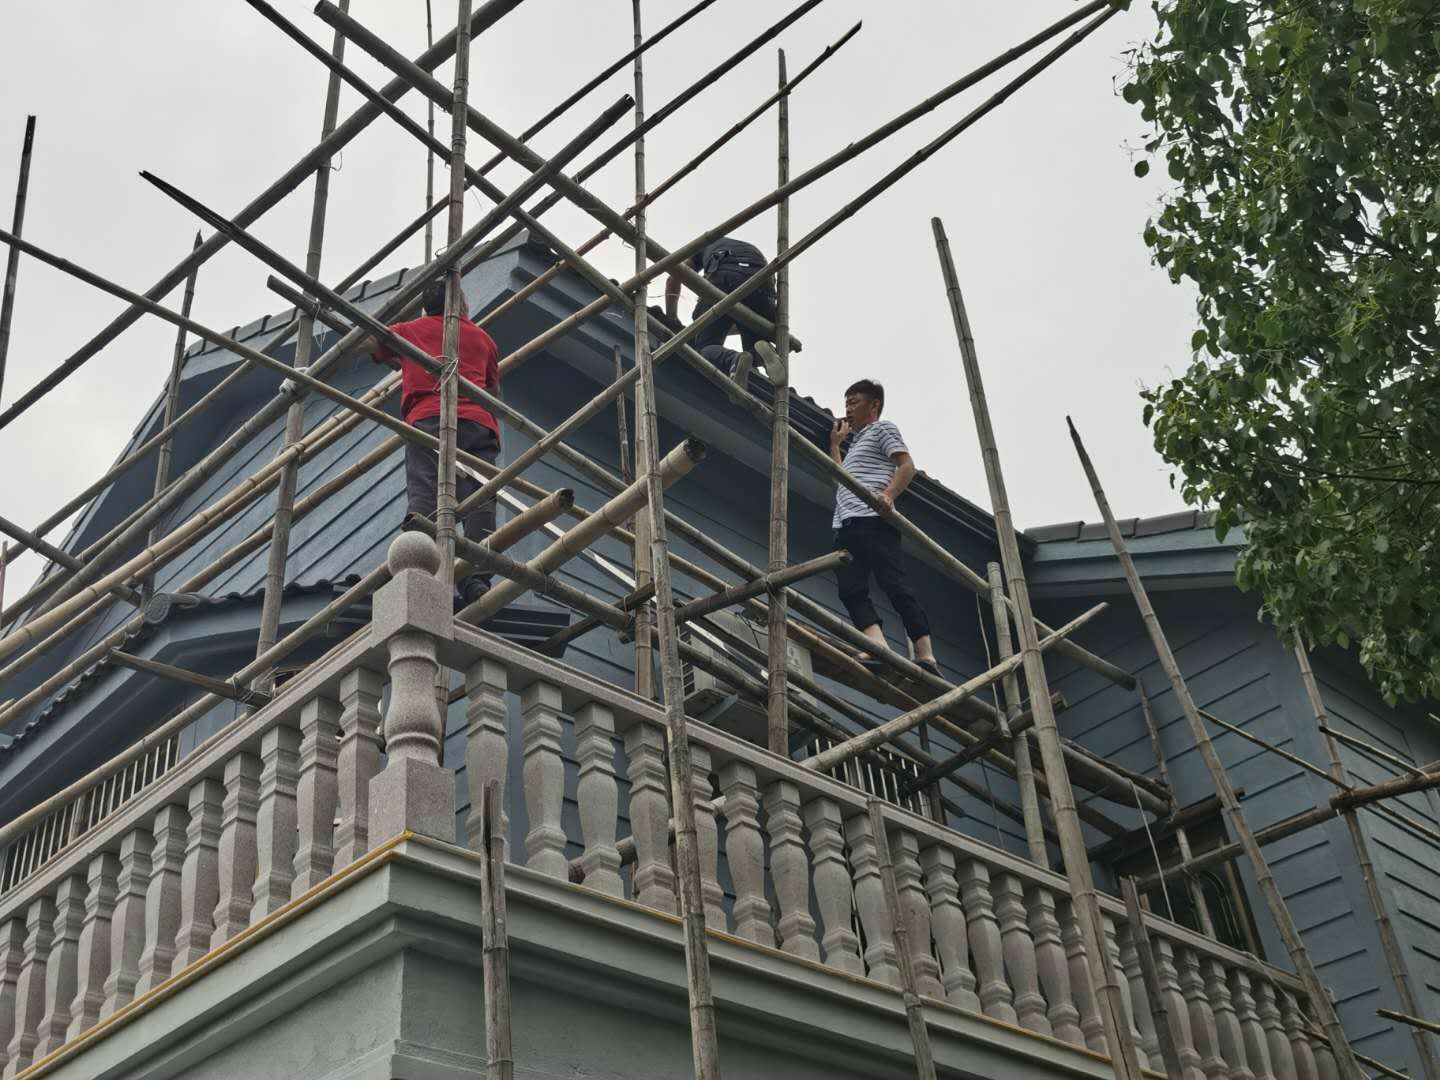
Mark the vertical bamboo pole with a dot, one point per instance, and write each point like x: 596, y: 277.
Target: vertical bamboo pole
x: 1146, y: 955
x: 1062, y: 796
x: 12, y: 263
x: 622, y: 425
x: 495, y: 938
x: 1394, y: 957
x: 1020, y: 748
x: 429, y: 157
x: 704, y: 1043
x: 1320, y: 1001
x: 172, y: 408
x: 778, y: 703
x: 904, y: 959
x: 295, y: 415
x: 644, y: 574
x: 1182, y: 839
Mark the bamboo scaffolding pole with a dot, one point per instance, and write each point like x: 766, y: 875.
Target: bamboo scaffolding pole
x: 1182, y: 838
x: 60, y: 558
x: 906, y: 721
x: 484, y: 18
x: 429, y: 158
x: 304, y: 344
x: 1062, y: 799
x: 12, y: 262
x: 1140, y: 938
x: 507, y: 535
x: 642, y: 558
x: 778, y: 642
x: 1370, y: 750
x: 1020, y: 748
x: 675, y: 259
x: 1424, y: 1025
x: 218, y: 687
x: 771, y: 581
x: 909, y: 988
x: 495, y: 938
x: 172, y: 400
x: 1389, y: 941
x: 1235, y: 817
x: 716, y: 145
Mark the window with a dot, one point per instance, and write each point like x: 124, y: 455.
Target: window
x: 880, y: 776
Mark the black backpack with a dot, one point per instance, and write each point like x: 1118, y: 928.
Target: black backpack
x: 732, y: 255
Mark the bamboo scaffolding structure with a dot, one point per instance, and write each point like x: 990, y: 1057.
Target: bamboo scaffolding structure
x: 60, y: 558
x: 488, y: 14
x: 909, y: 988
x: 1369, y: 749
x: 172, y: 400
x: 1425, y: 1025
x: 304, y: 344
x: 642, y: 557
x: 429, y: 158
x: 495, y: 938
x: 1235, y: 817
x: 771, y: 581
x: 1020, y: 748
x: 12, y: 262
x: 1140, y: 937
x: 777, y: 712
x: 1062, y: 799
x: 674, y: 178
x: 218, y: 687
x: 1389, y: 940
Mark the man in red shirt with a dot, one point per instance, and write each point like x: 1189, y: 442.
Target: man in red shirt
x: 476, y: 430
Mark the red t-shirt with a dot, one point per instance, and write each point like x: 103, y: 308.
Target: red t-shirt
x: 419, y: 389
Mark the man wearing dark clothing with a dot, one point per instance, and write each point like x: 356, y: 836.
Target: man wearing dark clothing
x: 726, y: 263
x: 476, y: 431
x: 876, y: 456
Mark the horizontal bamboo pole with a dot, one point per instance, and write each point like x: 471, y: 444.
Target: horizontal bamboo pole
x: 218, y: 687
x: 55, y: 555
x: 928, y: 711
x: 1413, y: 1021
x: 736, y: 594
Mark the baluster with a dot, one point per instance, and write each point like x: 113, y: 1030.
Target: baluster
x: 1177, y: 1012
x: 30, y: 984
x: 790, y: 869
x: 62, y: 968
x: 1290, y: 1016
x: 1082, y: 987
x: 707, y: 838
x: 93, y: 962
x: 237, y: 847
x: 598, y: 797
x: 200, y: 877
x: 1127, y: 1002
x: 411, y: 614
x: 915, y: 909
x: 1052, y: 965
x: 487, y: 733
x: 1019, y: 951
x: 1257, y: 1051
x: 1231, y: 1045
x: 1139, y: 997
x: 127, y: 927
x: 947, y: 921
x: 1325, y: 1064
x: 12, y: 953
x: 832, y: 885
x: 162, y: 898
x: 1267, y: 1008
x: 356, y: 761
x: 870, y: 902
x: 654, y: 881
x: 316, y: 793
x: 277, y: 819
x: 745, y: 853
x: 985, y: 945
x: 544, y: 778
x: 1202, y: 1019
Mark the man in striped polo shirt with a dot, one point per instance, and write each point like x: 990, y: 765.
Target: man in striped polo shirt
x: 878, y: 458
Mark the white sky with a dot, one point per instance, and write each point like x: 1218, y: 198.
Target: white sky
x: 1043, y: 211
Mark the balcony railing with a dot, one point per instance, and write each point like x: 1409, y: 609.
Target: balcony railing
x: 273, y: 805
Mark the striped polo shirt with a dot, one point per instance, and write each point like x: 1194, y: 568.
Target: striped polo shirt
x: 868, y: 460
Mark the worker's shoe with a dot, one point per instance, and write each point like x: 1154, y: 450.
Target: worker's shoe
x: 411, y: 522
x: 775, y: 370
x: 469, y: 591
x: 743, y: 363
x: 929, y: 665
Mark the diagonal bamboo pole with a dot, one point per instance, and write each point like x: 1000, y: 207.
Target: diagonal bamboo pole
x: 1389, y: 941
x: 1235, y: 817
x: 1062, y: 798
x: 495, y: 938
x: 1160, y: 1015
x: 1371, y: 751
x: 219, y: 687
x: 12, y: 262
x: 1019, y: 746
x: 429, y: 158
x: 304, y: 343
x: 487, y: 16
x: 58, y: 557
x: 777, y: 685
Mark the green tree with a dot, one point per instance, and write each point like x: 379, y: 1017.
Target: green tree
x: 1303, y: 139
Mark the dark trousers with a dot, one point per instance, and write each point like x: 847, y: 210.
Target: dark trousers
x: 422, y: 477
x: 761, y: 301
x: 874, y: 547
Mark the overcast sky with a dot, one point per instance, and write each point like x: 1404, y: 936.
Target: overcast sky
x: 1039, y: 199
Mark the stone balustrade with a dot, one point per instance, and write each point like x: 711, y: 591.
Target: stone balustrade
x: 273, y: 805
